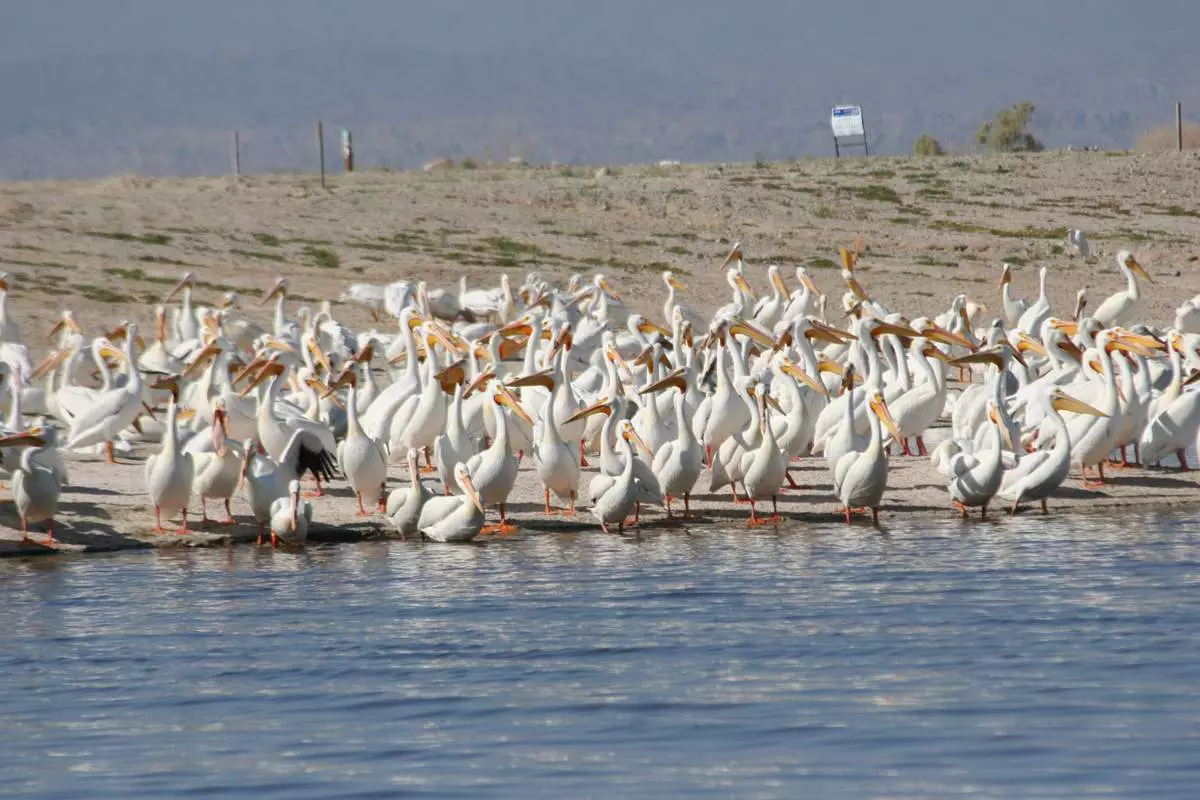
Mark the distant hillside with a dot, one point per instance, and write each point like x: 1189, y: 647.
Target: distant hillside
x: 138, y: 87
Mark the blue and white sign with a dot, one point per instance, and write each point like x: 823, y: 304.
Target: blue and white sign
x: 847, y: 121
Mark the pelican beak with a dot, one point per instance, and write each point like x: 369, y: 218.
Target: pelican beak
x: 829, y: 366
x: 821, y: 332
x: 1071, y: 349
x: 479, y: 382
x: 753, y: 332
x: 200, y: 360
x: 544, y: 378
x: 268, y: 369
x: 29, y: 438
x: 849, y: 258
x: 108, y: 351
x: 994, y: 416
x: 932, y: 352
x: 240, y: 375
x: 1137, y: 343
x: 184, y: 282
x: 1137, y: 269
x: 278, y: 344
x: 675, y: 380
x: 1069, y: 327
x: 745, y: 287
x: 506, y: 398
x: 67, y: 323
x: 646, y: 326
x: 936, y: 333
x: 279, y: 288
x: 636, y: 438
x: 601, y: 406
x: 674, y: 283
x: 346, y: 377
x: 50, y: 362
x: 1005, y: 277
x: 777, y: 282
x: 735, y: 254
x: 790, y: 369
x: 884, y: 328
x: 608, y: 290
x: 468, y: 486
x: 169, y: 384
x: 879, y: 406
x: 979, y: 357
x: 519, y: 327
x: 318, y: 355
x: 1064, y: 402
x: 452, y: 376
x: 809, y: 284
x: 185, y: 413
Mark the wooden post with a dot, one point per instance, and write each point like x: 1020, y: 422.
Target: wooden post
x: 321, y: 151
x: 1179, y: 127
x: 235, y: 152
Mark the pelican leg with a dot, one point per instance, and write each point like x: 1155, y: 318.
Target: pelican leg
x: 319, y: 492
x: 183, y: 528
x: 1045, y: 509
x: 875, y: 516
x: 667, y: 497
x: 1137, y: 452
x: 583, y: 462
x: 708, y: 456
x: 687, y: 511
x: 158, y: 528
x: 109, y: 456
x: 50, y: 534
x: 261, y: 530
x: 204, y: 518
x: 983, y: 512
x: 274, y: 540
x: 846, y: 511
x: 921, y: 450
x: 1013, y: 509
x: 571, y: 504
x: 960, y: 508
x: 504, y: 526
x: 362, y: 512
x: 25, y: 531
x: 754, y: 518
x: 381, y: 500
x: 1183, y: 465
x: 603, y: 527
x: 791, y: 481
x: 637, y: 512
x: 229, y: 520
x: 904, y: 451
x: 548, y: 511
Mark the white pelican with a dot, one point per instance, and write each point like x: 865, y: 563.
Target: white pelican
x: 765, y: 466
x: 454, y: 518
x: 1013, y: 307
x: 169, y: 474
x: 187, y: 327
x: 110, y: 412
x: 494, y: 471
x: 617, y: 498
x: 975, y: 478
x: 404, y: 505
x: 266, y: 480
x: 276, y: 433
x: 557, y: 462
x: 454, y: 444
x: 861, y: 476
x: 678, y: 464
x: 1039, y: 310
x: 217, y: 462
x: 290, y: 517
x: 672, y: 302
x: 1119, y: 308
x: 361, y: 458
x: 35, y: 487
x: 1176, y: 420
x: 1039, y: 474
x: 769, y: 310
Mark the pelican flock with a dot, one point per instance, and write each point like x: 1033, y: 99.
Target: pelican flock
x: 435, y: 420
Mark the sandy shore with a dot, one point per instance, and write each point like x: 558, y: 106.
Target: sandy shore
x: 107, y: 509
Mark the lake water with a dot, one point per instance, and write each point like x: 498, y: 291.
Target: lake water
x: 1032, y: 657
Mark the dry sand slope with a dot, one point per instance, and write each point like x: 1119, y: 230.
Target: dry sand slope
x: 932, y: 227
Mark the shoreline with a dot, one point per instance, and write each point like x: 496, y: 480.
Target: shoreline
x: 105, y: 508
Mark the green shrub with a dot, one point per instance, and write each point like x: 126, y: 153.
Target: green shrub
x: 926, y: 145
x: 1008, y: 130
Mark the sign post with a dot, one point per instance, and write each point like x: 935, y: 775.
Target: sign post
x: 848, y: 129
x: 347, y: 152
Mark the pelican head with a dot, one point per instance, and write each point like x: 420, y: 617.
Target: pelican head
x: 463, y: 477
x: 671, y: 281
x: 1126, y: 262
x: 186, y: 282
x: 279, y: 289
x: 1006, y: 275
x: 879, y: 407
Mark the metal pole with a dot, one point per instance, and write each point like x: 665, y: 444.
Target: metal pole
x: 321, y: 151
x: 836, y: 152
x: 236, y: 153
x: 1179, y: 127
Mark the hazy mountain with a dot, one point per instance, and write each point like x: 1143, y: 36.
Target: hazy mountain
x: 155, y: 86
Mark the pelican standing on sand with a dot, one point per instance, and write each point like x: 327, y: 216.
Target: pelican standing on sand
x: 169, y: 474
